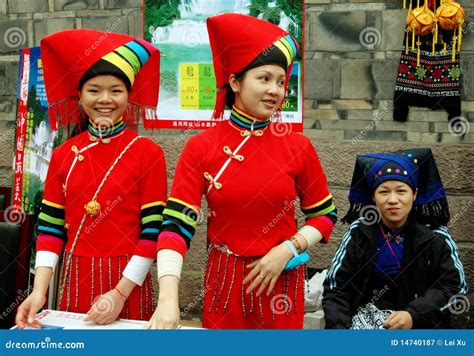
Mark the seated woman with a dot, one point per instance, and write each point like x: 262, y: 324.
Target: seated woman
x: 397, y: 255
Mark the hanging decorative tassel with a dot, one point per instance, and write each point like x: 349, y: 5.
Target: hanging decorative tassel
x: 453, y: 57
x: 459, y: 36
x: 404, y: 4
x: 418, y: 3
x: 418, y: 53
x: 413, y: 40
x: 435, y: 37
x: 444, y: 48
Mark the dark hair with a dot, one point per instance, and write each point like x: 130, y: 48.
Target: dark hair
x: 230, y: 95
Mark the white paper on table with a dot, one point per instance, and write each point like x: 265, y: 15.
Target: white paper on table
x: 54, y: 319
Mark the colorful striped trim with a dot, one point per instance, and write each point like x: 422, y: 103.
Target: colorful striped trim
x: 241, y: 119
x: 118, y: 127
x: 323, y: 207
x: 288, y: 47
x: 54, y: 205
x: 151, y: 217
x: 463, y: 288
x: 339, y: 255
x: 184, y: 203
x: 129, y: 58
x: 52, y: 219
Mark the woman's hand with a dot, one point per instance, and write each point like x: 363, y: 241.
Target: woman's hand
x: 25, y: 315
x: 398, y: 320
x: 166, y: 315
x: 106, y: 308
x: 267, y: 269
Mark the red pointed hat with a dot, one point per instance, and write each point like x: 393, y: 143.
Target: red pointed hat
x: 239, y: 43
x: 72, y: 57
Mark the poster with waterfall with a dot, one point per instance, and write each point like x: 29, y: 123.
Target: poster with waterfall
x: 187, y: 81
x: 34, y: 138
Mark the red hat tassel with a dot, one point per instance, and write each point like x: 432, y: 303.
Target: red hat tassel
x: 221, y: 95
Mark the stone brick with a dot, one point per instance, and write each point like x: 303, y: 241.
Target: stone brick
x: 461, y: 224
x: 135, y: 24
x: 65, y: 5
x: 6, y: 176
x: 377, y: 135
x: 7, y: 103
x: 3, y: 7
x: 123, y: 4
x: 9, y: 75
x: 321, y: 114
x: 389, y: 125
x: 384, y: 76
x: 456, y: 165
x: 22, y: 6
x: 117, y: 24
x: 353, y: 104
x: 345, y: 124
x: 43, y: 28
x: 336, y: 31
x: 356, y: 80
x: 423, y: 137
x: 15, y: 36
x: 393, y: 29
x: 53, y: 15
x: 7, y: 138
x: 330, y: 135
x: 321, y: 77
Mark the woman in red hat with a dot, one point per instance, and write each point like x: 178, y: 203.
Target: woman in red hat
x: 106, y: 186
x: 251, y: 175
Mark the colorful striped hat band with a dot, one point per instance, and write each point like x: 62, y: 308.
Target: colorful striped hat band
x: 281, y: 52
x: 124, y: 62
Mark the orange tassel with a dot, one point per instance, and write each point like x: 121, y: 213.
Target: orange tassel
x: 460, y: 37
x: 418, y: 54
x: 453, y: 57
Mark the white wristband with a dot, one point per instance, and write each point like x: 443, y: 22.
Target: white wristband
x: 46, y: 259
x: 137, y: 269
x: 169, y: 262
x: 311, y: 235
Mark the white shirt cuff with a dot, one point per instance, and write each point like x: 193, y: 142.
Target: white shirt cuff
x: 137, y: 269
x: 169, y: 262
x: 46, y: 259
x: 311, y: 235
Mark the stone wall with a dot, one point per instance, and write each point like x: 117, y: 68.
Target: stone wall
x: 348, y: 102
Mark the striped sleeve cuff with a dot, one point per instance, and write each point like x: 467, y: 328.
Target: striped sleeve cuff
x: 49, y: 243
x: 151, y: 219
x: 51, y: 220
x: 180, y: 218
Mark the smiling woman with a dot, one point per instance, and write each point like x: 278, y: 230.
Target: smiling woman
x: 408, y: 252
x: 250, y: 173
x: 106, y: 186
